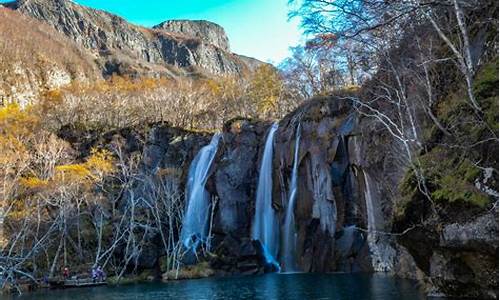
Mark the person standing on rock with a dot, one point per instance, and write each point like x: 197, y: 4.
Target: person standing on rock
x: 65, y: 273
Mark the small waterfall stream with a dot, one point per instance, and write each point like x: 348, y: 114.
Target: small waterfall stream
x: 370, y: 215
x: 265, y: 226
x: 370, y: 212
x: 195, y: 222
x: 382, y: 254
x: 290, y: 235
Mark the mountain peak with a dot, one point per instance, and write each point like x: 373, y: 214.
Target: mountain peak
x: 206, y: 31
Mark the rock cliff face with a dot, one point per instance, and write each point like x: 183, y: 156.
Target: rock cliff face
x: 456, y: 257
x: 341, y: 195
x: 330, y: 211
x: 325, y: 205
x: 346, y: 174
x: 128, y: 49
x: 206, y: 31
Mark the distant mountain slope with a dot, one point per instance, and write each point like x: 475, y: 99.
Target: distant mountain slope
x: 206, y: 31
x: 34, y: 57
x: 129, y: 49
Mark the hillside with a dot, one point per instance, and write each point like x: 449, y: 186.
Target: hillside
x: 127, y: 49
x: 58, y: 42
x: 41, y: 59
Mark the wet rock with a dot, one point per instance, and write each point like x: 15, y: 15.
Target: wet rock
x: 237, y: 256
x: 321, y: 204
x: 466, y: 263
x: 461, y: 260
x: 236, y: 176
x: 349, y: 244
x: 171, y: 148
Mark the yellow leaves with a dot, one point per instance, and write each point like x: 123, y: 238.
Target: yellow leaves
x: 74, y: 172
x: 221, y: 88
x: 99, y: 164
x: 33, y: 182
x: 214, y: 87
x: 11, y: 149
x: 50, y: 99
x: 265, y: 88
x: 68, y: 182
x: 267, y: 104
x: 16, y: 121
x: 352, y: 88
x: 16, y: 132
x: 19, y: 214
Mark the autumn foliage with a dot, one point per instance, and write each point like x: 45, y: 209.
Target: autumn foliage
x: 201, y: 104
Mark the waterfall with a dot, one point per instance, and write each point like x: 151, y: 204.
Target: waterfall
x: 195, y: 222
x: 290, y: 236
x: 381, y: 253
x: 370, y: 211
x: 265, y: 224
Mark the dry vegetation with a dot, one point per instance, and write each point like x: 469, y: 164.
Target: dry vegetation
x: 34, y: 56
x: 57, y: 210
x: 202, y: 104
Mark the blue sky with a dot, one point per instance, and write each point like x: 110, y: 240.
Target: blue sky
x: 257, y: 28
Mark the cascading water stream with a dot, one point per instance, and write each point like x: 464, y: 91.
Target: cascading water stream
x: 265, y: 226
x: 290, y: 235
x: 379, y: 260
x: 370, y: 212
x: 195, y: 222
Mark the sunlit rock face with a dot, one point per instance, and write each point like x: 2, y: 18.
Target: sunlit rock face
x: 206, y: 31
x: 127, y: 49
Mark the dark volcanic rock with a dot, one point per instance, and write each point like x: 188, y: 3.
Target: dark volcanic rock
x: 342, y: 159
x: 461, y: 260
x: 236, y: 175
x: 330, y: 193
x: 171, y: 148
x: 324, y: 178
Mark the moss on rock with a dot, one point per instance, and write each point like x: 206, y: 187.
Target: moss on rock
x: 200, y: 270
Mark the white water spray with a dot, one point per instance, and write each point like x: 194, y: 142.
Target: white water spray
x: 195, y: 222
x: 290, y: 235
x: 381, y: 253
x: 265, y: 226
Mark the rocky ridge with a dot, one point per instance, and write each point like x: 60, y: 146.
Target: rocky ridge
x: 169, y: 49
x: 206, y: 31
